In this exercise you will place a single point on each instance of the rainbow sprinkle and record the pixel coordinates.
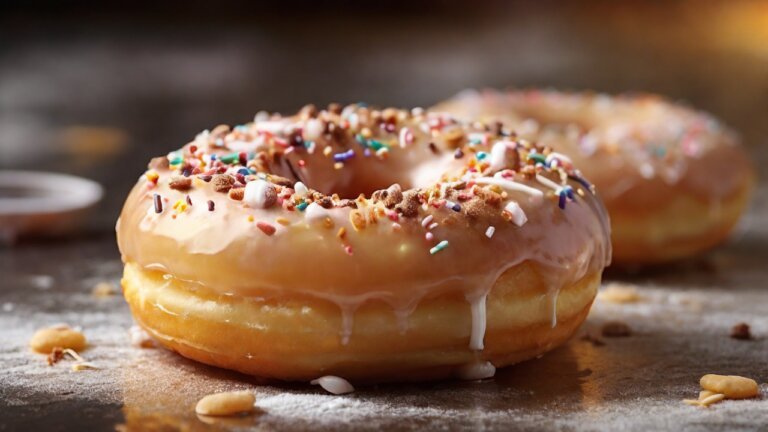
(438, 247)
(158, 201)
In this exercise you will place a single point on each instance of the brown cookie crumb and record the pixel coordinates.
(159, 163)
(334, 108)
(389, 115)
(616, 329)
(409, 205)
(347, 203)
(222, 182)
(220, 130)
(325, 202)
(180, 183)
(237, 193)
(308, 111)
(390, 196)
(280, 181)
(474, 208)
(741, 331)
(454, 137)
(488, 196)
(55, 356)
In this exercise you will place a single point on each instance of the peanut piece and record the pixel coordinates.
(733, 387)
(45, 340)
(715, 398)
(226, 404)
(619, 293)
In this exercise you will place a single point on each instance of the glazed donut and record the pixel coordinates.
(375, 245)
(674, 180)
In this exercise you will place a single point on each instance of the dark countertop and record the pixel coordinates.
(98, 93)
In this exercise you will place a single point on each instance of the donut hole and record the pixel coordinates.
(552, 119)
(363, 175)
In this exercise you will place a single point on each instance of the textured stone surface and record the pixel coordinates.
(95, 98)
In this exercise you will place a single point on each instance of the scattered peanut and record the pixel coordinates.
(741, 331)
(226, 404)
(709, 400)
(140, 338)
(705, 402)
(45, 340)
(733, 387)
(77, 367)
(616, 329)
(104, 289)
(619, 293)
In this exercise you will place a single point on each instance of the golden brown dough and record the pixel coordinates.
(675, 181)
(369, 244)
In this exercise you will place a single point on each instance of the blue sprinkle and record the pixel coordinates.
(213, 157)
(302, 206)
(341, 157)
(440, 246)
(361, 139)
(561, 200)
(569, 192)
(244, 171)
(583, 182)
(367, 152)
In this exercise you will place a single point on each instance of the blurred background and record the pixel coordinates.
(96, 90)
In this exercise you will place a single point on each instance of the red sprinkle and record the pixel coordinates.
(211, 205)
(266, 228)
(348, 249)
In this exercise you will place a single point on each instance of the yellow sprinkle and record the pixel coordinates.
(250, 218)
(341, 233)
(180, 206)
(338, 165)
(327, 150)
(283, 221)
(152, 176)
(366, 133)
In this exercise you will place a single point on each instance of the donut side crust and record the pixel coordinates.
(298, 338)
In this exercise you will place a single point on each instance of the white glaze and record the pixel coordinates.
(477, 370)
(333, 384)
